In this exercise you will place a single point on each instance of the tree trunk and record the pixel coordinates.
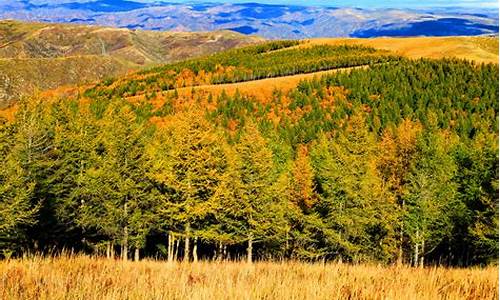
(170, 247)
(219, 251)
(125, 233)
(224, 252)
(423, 253)
(415, 259)
(195, 249)
(286, 244)
(176, 249)
(401, 239)
(125, 243)
(108, 250)
(186, 243)
(136, 254)
(250, 248)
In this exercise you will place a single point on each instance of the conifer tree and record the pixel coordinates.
(430, 194)
(190, 161)
(16, 206)
(353, 201)
(116, 197)
(252, 208)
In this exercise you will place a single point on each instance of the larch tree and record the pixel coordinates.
(254, 210)
(16, 206)
(396, 153)
(305, 229)
(116, 197)
(189, 160)
(431, 194)
(27, 166)
(353, 202)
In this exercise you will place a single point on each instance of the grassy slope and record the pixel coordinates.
(480, 49)
(263, 88)
(58, 54)
(87, 278)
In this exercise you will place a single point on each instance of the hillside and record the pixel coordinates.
(227, 78)
(46, 56)
(270, 60)
(480, 49)
(383, 159)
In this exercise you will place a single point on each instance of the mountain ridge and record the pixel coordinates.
(37, 56)
(272, 21)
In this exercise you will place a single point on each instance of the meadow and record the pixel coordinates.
(83, 277)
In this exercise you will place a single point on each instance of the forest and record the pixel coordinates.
(271, 59)
(396, 163)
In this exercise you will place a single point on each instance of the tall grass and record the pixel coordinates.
(83, 277)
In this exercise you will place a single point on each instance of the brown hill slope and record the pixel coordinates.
(46, 56)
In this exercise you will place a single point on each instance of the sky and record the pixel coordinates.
(370, 3)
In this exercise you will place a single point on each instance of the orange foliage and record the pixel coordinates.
(303, 193)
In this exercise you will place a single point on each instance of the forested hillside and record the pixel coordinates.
(273, 59)
(397, 162)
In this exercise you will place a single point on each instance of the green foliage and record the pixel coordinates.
(398, 162)
(272, 59)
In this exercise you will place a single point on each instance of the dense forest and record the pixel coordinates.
(397, 163)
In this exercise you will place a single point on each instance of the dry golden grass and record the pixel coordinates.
(263, 88)
(479, 49)
(92, 278)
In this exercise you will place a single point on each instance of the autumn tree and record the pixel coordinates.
(116, 197)
(17, 209)
(252, 206)
(189, 160)
(353, 202)
(431, 193)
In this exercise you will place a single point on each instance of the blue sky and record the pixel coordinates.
(370, 3)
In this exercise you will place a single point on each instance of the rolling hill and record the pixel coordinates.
(272, 21)
(38, 56)
(476, 49)
(481, 49)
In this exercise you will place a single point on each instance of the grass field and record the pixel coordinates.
(94, 278)
(263, 88)
(479, 49)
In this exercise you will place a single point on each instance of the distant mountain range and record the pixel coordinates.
(269, 21)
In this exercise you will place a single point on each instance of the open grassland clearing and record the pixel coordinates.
(479, 49)
(94, 278)
(260, 89)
